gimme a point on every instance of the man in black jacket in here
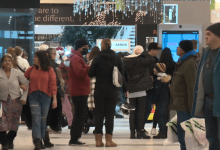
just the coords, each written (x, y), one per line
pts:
(153, 50)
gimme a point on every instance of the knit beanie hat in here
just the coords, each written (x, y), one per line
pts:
(80, 43)
(186, 45)
(215, 29)
(160, 67)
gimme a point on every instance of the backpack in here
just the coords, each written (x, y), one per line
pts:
(117, 76)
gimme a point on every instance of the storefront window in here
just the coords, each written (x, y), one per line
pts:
(17, 29)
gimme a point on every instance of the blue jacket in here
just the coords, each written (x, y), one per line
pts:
(199, 94)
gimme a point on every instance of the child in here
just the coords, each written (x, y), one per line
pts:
(161, 98)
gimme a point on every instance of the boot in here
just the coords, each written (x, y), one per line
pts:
(4, 140)
(109, 142)
(46, 140)
(132, 136)
(42, 144)
(5, 147)
(37, 144)
(10, 144)
(142, 135)
(161, 135)
(11, 136)
(98, 139)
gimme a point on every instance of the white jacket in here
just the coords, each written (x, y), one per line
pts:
(11, 86)
(22, 63)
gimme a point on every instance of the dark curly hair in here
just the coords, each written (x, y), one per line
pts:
(44, 60)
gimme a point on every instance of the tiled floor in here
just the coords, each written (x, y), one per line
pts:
(121, 137)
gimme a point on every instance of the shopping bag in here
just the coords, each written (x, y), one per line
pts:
(190, 140)
(171, 132)
(198, 126)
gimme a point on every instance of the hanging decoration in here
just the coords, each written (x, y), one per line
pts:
(114, 7)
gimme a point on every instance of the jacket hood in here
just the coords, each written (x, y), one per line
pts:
(134, 50)
(108, 54)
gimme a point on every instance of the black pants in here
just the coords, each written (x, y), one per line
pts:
(105, 103)
(160, 115)
(7, 137)
(54, 117)
(138, 116)
(80, 103)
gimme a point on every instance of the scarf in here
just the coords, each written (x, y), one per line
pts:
(190, 53)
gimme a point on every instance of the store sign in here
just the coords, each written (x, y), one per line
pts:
(62, 14)
(45, 37)
(117, 45)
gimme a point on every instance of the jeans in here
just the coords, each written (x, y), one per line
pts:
(160, 115)
(181, 117)
(80, 104)
(212, 124)
(39, 104)
(105, 102)
(137, 117)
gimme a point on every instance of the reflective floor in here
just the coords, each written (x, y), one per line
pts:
(121, 137)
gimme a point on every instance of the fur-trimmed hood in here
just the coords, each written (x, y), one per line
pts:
(163, 77)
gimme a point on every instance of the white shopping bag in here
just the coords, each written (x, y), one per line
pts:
(171, 132)
(198, 126)
(190, 140)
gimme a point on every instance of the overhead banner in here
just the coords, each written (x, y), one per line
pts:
(117, 45)
(62, 14)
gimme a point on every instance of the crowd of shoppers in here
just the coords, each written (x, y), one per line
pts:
(84, 82)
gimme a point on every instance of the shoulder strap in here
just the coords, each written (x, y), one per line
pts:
(20, 69)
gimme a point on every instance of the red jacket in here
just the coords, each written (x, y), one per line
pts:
(44, 81)
(78, 76)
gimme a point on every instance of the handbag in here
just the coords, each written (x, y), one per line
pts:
(117, 76)
(64, 121)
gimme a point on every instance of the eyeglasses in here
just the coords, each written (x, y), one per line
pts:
(54, 53)
(7, 61)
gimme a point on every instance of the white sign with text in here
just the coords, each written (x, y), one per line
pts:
(117, 45)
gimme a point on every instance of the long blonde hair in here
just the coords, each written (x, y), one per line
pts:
(62, 82)
(105, 44)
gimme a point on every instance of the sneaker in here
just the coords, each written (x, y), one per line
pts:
(153, 131)
(126, 106)
(146, 131)
(77, 143)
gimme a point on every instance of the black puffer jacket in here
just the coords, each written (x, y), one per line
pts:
(137, 71)
(102, 68)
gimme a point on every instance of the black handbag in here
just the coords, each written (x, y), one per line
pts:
(64, 121)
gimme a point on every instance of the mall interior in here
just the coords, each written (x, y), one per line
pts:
(39, 25)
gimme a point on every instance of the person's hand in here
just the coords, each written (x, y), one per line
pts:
(62, 99)
(54, 103)
(23, 87)
(153, 106)
(126, 94)
(152, 78)
(63, 89)
(23, 102)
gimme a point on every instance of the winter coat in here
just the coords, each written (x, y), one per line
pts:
(91, 102)
(138, 72)
(102, 68)
(65, 74)
(78, 75)
(182, 87)
(161, 88)
(199, 94)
